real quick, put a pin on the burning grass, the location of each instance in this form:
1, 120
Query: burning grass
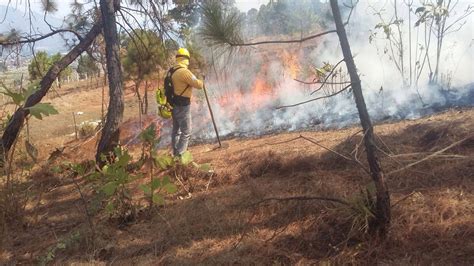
223, 223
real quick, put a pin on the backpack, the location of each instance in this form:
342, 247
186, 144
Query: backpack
171, 97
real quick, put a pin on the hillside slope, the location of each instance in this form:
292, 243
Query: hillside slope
225, 221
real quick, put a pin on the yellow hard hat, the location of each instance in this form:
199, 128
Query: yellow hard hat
183, 52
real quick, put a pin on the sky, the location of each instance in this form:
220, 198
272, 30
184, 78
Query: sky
63, 5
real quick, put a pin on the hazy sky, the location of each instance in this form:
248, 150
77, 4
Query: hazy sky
63, 5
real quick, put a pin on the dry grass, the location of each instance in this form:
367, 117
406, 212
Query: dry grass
432, 223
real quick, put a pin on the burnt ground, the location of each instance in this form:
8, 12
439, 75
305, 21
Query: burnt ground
432, 203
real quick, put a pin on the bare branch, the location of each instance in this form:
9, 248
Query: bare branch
431, 155
39, 38
283, 41
315, 99
337, 153
327, 76
321, 82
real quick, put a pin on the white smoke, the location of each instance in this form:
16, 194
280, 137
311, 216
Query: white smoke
385, 93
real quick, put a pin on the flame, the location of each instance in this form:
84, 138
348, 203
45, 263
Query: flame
291, 63
235, 103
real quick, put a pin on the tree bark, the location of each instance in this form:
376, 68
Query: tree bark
382, 211
145, 99
111, 132
16, 123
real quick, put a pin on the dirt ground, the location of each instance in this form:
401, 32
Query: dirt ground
227, 220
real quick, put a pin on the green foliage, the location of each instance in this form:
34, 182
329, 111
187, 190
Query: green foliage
66, 72
86, 66
220, 26
41, 63
362, 209
155, 188
285, 17
62, 244
49, 6
145, 54
38, 110
148, 135
112, 183
185, 13
42, 109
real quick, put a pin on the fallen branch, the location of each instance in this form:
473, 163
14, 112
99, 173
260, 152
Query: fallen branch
303, 198
404, 198
337, 153
431, 155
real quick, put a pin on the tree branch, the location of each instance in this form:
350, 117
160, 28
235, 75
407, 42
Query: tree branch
315, 99
32, 39
283, 41
327, 76
14, 126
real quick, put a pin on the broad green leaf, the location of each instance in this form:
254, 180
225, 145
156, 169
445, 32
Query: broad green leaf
186, 158
40, 109
109, 188
17, 98
155, 183
170, 188
164, 161
146, 189
158, 199
30, 90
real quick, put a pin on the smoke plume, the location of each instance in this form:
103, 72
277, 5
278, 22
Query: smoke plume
246, 90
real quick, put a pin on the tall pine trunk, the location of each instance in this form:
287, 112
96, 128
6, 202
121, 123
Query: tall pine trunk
382, 211
111, 132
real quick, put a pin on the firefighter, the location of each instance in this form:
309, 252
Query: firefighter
183, 83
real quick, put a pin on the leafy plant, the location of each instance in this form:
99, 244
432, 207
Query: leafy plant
154, 189
112, 180
62, 244
38, 110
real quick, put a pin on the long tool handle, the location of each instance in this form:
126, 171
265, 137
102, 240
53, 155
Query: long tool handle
212, 116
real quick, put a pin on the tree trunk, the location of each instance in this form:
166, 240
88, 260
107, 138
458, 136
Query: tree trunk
111, 132
16, 122
139, 96
145, 98
382, 211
